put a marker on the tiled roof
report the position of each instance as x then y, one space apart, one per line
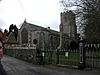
43 28
11 38
3 36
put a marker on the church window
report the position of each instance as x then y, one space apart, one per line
35 41
24 34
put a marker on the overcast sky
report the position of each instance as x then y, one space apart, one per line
40 12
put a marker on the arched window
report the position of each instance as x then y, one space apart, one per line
24 35
35 41
74 45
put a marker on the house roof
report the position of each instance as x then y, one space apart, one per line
11 38
2 35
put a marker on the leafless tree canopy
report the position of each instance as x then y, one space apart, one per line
87 15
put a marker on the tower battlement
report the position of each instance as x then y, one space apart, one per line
68 23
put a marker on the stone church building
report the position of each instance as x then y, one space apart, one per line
46 38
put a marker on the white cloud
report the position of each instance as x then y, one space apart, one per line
40 12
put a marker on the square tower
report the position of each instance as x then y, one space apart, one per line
68 23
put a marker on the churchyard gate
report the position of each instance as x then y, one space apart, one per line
86 56
92 55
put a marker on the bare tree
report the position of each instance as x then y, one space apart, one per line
88 16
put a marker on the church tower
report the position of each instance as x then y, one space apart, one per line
68 24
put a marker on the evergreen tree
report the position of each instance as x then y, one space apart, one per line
11 28
6 32
15 31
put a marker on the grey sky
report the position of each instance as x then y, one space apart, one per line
40 12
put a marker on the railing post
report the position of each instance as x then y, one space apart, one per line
82 55
57 56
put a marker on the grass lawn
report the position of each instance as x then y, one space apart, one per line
72 58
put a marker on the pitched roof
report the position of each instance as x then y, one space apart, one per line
11 38
40 27
2 35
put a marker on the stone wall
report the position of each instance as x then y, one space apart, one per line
23 53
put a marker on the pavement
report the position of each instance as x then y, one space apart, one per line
15 66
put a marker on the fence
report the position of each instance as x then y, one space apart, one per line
64 57
86 56
92 55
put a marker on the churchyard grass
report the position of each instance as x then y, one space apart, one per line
71 59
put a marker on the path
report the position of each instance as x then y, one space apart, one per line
17 67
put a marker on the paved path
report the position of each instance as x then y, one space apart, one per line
17 67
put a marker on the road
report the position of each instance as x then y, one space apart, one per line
14 66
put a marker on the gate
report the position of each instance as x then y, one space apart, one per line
61 57
92 55
68 57
86 56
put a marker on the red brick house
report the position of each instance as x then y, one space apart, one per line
3 36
